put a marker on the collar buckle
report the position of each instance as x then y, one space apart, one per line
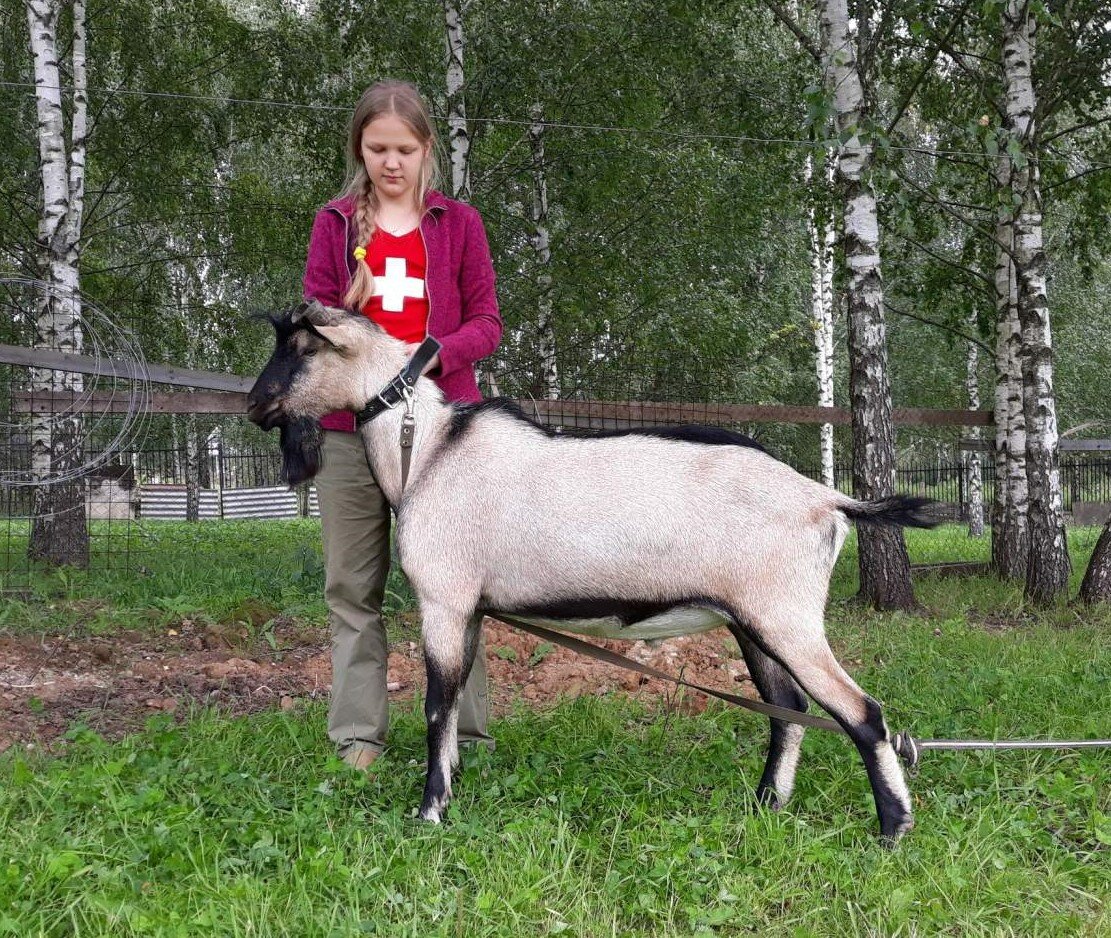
401 386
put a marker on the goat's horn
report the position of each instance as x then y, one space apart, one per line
316 312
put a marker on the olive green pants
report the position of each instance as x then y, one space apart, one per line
355 525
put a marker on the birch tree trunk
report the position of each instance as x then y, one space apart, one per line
1097 579
541 243
179 472
1010 541
1048 566
459 140
822 239
975 483
884 564
192 470
59 532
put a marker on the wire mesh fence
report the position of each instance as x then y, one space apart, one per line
82 459
128 498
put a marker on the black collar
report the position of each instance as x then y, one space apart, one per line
394 392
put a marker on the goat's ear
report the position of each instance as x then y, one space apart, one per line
336 336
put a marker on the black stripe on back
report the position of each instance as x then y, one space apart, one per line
463 414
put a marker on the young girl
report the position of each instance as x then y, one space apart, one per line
418 264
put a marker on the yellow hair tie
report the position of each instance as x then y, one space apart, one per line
360 253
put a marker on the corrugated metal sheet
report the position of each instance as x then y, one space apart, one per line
167 503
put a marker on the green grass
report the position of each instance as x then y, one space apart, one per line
595 819
163 571
601 817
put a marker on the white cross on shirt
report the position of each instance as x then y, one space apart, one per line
394 286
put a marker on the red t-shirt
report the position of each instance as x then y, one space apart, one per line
400 300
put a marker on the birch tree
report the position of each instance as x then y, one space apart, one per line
1010 540
823 237
1096 586
1048 565
991 101
884 563
59 534
459 141
974 470
541 242
195 282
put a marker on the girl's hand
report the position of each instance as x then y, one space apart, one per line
432 365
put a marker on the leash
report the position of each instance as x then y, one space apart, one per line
910 749
400 389
905 745
620 661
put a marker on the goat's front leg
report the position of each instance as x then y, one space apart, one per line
450 641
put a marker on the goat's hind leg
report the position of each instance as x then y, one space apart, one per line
776 686
450 642
801 647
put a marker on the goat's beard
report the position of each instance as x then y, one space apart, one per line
300 439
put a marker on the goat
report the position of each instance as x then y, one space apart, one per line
502 514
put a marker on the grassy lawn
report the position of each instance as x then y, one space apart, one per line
598 817
164 570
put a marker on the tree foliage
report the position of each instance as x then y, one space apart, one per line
679 261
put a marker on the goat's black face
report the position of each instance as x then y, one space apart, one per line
265 400
297 342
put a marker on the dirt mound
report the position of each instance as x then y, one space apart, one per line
112 684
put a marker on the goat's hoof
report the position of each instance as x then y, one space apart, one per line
433 810
769 798
890 838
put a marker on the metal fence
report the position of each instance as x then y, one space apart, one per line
138 490
248 484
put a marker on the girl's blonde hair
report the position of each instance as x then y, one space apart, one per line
401 99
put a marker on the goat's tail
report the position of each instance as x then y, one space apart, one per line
896 511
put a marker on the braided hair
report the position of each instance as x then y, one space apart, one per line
404 101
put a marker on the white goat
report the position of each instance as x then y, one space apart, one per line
502 514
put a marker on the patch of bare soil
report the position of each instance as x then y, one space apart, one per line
113 684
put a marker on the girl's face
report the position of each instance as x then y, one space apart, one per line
393 156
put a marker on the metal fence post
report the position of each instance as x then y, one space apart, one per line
220 479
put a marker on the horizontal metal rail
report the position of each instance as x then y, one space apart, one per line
571 413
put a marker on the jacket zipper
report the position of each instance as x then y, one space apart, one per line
427 290
346 245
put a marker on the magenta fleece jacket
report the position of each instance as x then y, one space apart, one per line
459 278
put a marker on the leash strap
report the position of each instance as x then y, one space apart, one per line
620 661
394 392
408 432
910 749
905 745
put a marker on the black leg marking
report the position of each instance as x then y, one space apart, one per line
776 686
443 688
450 647
809 660
888 786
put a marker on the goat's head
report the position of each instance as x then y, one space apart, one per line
308 375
